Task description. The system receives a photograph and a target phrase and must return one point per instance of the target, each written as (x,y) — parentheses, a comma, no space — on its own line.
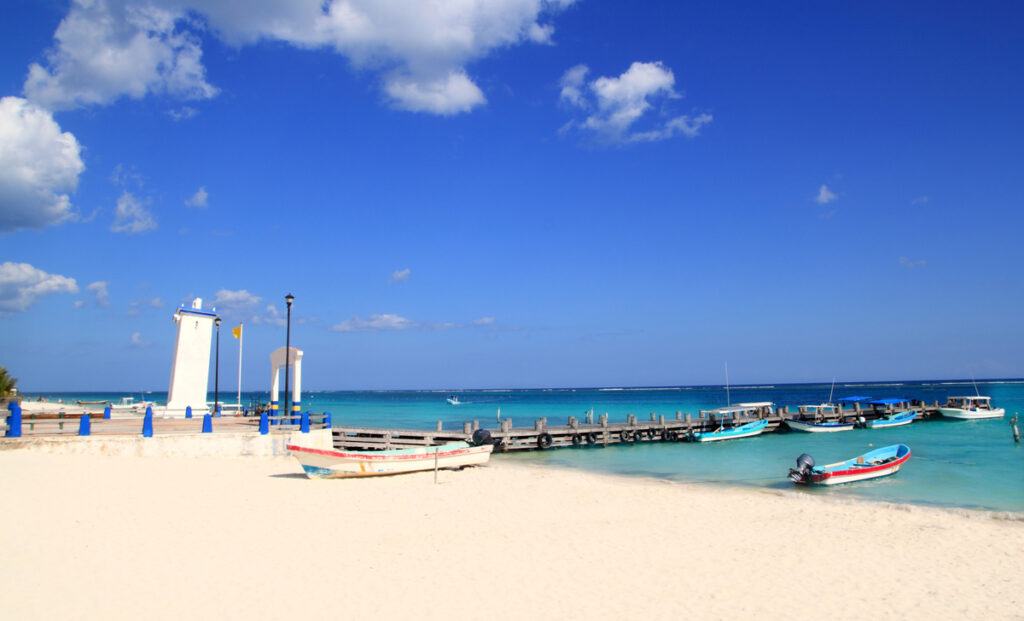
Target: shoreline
(236,537)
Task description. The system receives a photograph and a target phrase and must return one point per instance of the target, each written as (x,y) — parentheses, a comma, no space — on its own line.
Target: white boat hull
(330,464)
(710,437)
(972,414)
(797,425)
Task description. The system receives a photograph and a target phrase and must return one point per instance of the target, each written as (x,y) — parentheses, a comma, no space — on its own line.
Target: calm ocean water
(954,464)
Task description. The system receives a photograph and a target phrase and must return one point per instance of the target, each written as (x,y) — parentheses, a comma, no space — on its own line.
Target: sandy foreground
(93,537)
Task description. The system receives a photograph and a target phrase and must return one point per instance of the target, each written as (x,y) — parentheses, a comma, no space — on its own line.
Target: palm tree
(7,384)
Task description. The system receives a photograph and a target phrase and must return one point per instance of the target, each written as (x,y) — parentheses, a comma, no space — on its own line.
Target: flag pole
(241,335)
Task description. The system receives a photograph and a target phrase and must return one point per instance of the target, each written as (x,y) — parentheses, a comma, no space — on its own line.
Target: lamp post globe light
(287,354)
(216,371)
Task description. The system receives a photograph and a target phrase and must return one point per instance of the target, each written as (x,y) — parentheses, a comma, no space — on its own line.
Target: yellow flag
(237,332)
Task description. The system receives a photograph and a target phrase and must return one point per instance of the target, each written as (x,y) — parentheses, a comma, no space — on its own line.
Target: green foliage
(7,384)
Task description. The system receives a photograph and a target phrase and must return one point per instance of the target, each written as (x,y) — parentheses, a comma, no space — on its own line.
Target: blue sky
(514,193)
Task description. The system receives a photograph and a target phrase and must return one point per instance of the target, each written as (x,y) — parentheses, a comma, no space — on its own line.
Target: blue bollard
(188,411)
(207,423)
(147,423)
(304,425)
(218,411)
(264,424)
(14,420)
(84,425)
(106,412)
(327,420)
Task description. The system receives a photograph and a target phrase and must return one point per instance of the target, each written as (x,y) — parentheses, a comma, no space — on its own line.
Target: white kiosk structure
(295,363)
(190,371)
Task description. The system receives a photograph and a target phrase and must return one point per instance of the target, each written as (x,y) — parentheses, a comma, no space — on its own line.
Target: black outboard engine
(802,472)
(481,437)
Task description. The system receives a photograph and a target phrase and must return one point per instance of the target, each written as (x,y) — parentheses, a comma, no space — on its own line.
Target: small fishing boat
(331,464)
(80,402)
(970,408)
(894,420)
(872,465)
(818,422)
(731,432)
(453,400)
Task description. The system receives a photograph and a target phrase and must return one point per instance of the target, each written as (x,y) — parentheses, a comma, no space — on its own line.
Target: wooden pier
(600,431)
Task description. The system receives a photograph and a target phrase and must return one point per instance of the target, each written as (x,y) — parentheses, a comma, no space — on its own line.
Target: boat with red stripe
(330,464)
(871,465)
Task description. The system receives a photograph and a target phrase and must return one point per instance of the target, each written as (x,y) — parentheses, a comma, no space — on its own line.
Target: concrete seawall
(237,444)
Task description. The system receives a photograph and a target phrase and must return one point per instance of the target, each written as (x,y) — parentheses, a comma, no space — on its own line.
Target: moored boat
(894,420)
(970,408)
(453,400)
(727,429)
(818,422)
(330,464)
(871,465)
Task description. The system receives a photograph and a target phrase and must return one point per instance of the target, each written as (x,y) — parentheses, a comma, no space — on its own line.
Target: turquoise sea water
(954,463)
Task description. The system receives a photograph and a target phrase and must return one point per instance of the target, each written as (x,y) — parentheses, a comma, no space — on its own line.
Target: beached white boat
(330,464)
(970,408)
(128,404)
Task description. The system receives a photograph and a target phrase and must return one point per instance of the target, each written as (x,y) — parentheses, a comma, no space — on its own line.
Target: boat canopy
(892,401)
(756,404)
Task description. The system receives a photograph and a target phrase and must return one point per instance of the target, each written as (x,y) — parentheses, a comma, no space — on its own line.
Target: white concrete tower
(190,371)
(295,364)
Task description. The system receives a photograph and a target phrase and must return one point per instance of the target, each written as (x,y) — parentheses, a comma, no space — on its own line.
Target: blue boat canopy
(887,401)
(852,399)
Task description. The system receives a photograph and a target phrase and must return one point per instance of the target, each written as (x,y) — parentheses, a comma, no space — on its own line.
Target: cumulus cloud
(105,49)
(131,216)
(907,263)
(39,167)
(22,285)
(182,114)
(100,294)
(400,275)
(825,196)
(614,105)
(198,199)
(136,340)
(238,304)
(385,321)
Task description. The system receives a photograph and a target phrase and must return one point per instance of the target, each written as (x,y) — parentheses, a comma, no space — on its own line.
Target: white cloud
(919,200)
(156,302)
(616,104)
(198,199)
(136,340)
(381,322)
(238,304)
(907,263)
(182,114)
(272,317)
(400,275)
(39,166)
(99,290)
(131,216)
(107,49)
(825,196)
(374,323)
(22,285)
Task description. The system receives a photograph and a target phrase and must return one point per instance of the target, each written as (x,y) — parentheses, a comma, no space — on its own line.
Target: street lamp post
(287,354)
(216,371)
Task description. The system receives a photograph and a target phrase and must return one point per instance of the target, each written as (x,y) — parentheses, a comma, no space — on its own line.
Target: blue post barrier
(14,420)
(207,423)
(327,420)
(264,424)
(188,411)
(218,411)
(147,423)
(106,412)
(304,425)
(84,425)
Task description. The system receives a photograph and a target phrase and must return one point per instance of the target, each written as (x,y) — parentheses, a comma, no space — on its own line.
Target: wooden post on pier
(679,415)
(653,418)
(439,424)
(467,428)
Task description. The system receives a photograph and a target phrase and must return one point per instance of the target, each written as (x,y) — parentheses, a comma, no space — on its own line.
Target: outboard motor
(862,422)
(802,472)
(481,437)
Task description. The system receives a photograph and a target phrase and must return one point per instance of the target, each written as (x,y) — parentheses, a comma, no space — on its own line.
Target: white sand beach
(93,537)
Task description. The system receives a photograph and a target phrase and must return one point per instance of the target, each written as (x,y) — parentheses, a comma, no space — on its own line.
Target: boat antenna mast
(830,390)
(975,386)
(728,400)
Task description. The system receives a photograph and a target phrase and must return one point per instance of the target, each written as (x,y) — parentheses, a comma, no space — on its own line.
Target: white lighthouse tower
(190,370)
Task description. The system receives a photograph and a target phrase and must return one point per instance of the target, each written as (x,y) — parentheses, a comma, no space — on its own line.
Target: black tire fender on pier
(591,438)
(544,440)
(672,435)
(577,440)
(627,436)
